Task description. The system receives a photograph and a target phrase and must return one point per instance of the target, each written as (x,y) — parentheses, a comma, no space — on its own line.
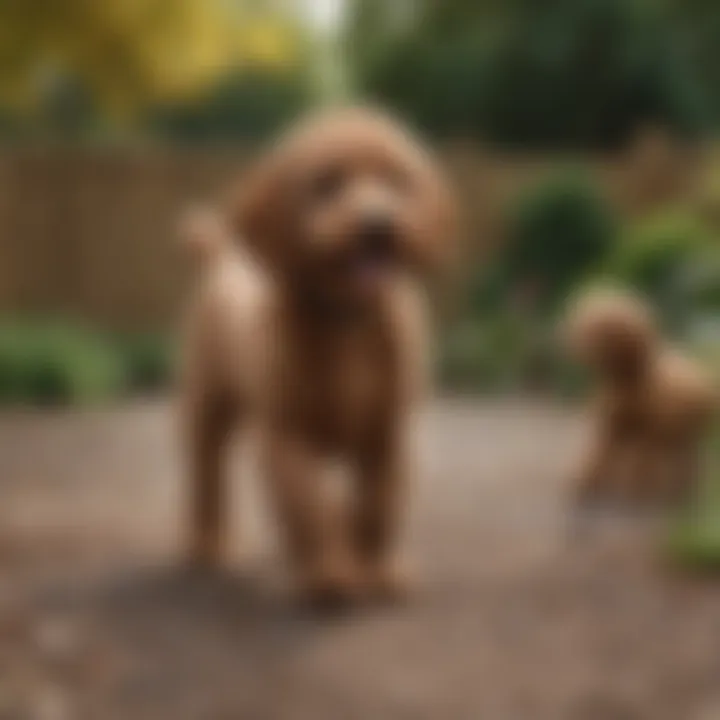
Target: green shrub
(672,259)
(51,362)
(147,362)
(482,356)
(651,251)
(560,231)
(694,540)
(696,543)
(55,363)
(699,282)
(506,353)
(465,363)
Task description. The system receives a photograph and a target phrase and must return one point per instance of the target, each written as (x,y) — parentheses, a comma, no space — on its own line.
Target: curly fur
(653,403)
(314,325)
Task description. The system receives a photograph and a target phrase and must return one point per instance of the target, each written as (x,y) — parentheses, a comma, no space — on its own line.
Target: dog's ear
(259,209)
(437,217)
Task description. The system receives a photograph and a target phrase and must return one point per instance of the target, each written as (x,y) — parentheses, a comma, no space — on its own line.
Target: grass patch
(694,540)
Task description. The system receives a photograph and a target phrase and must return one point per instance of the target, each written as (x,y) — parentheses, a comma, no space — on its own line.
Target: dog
(654,405)
(311,320)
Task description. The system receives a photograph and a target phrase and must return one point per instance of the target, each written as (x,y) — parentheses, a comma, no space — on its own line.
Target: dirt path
(514,619)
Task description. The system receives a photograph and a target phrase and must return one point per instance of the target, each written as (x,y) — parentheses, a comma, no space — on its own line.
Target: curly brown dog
(314,324)
(652,408)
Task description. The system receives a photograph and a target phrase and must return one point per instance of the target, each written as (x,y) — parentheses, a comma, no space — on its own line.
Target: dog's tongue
(369,273)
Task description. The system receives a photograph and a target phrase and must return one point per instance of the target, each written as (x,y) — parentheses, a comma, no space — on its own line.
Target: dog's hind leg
(642,482)
(210,423)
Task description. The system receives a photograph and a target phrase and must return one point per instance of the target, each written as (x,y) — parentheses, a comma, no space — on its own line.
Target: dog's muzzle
(377,240)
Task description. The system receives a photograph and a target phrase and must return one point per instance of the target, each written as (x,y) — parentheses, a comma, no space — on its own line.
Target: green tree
(697,24)
(246,106)
(558,74)
(126,54)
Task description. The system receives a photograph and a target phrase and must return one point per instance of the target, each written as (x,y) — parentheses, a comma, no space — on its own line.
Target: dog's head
(613,332)
(344,204)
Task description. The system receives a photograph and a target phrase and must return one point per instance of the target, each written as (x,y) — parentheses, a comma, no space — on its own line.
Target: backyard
(580,138)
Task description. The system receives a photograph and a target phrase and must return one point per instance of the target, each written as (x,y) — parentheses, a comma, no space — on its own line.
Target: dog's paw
(332,586)
(388,582)
(204,553)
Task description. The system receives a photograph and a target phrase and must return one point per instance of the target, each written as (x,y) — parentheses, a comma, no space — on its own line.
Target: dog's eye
(327,184)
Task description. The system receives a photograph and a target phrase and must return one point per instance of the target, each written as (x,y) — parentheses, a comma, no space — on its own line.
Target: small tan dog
(653,404)
(313,323)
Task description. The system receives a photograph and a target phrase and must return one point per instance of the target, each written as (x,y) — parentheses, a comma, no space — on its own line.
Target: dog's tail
(204,233)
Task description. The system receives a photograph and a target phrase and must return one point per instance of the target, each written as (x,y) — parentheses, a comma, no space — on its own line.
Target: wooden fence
(91,233)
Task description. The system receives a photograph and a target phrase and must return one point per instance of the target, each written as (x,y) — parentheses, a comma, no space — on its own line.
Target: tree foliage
(249,105)
(125,54)
(557,74)
(696,23)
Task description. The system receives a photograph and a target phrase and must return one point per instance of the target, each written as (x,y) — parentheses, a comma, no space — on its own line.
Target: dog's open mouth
(373,259)
(369,268)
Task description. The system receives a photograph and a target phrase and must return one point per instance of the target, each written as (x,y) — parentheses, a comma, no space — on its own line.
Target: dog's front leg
(313,526)
(381,499)
(595,472)
(645,483)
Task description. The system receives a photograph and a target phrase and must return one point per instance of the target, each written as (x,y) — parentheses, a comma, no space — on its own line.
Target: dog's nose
(377,232)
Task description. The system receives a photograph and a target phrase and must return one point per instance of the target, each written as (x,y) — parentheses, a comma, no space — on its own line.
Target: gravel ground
(517,615)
